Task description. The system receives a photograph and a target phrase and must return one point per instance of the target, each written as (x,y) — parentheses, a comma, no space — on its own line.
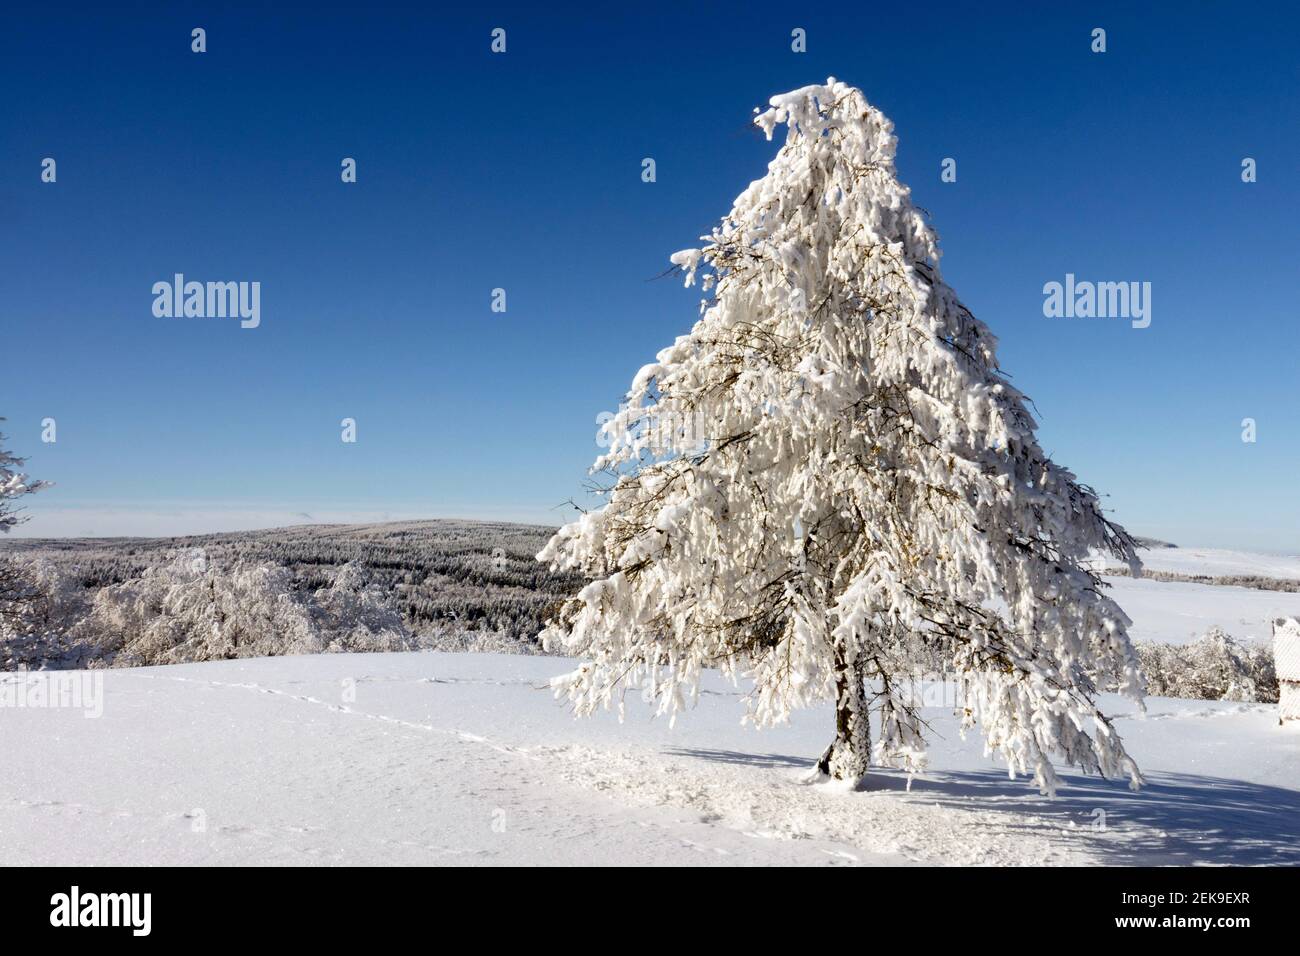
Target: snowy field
(1216,562)
(466,758)
(1177,613)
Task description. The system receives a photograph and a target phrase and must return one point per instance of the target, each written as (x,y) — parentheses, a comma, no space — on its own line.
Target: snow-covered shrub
(1213,667)
(354,616)
(188,611)
(457,640)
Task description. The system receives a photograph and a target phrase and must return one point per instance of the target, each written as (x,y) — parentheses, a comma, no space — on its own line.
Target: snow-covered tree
(34,627)
(188,610)
(16,589)
(354,616)
(13,485)
(194,609)
(868,496)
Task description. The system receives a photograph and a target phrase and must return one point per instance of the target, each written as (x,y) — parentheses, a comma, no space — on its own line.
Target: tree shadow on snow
(738,757)
(1175,819)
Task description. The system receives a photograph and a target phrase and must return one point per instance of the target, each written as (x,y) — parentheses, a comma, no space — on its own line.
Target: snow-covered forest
(399,586)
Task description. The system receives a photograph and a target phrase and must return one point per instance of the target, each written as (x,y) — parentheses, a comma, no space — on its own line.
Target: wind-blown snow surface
(446,758)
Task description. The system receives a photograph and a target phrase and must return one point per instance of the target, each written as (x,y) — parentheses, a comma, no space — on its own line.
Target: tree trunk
(848,756)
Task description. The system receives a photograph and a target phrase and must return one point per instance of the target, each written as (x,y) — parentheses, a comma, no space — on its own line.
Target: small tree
(35,628)
(828,484)
(16,589)
(353,615)
(13,485)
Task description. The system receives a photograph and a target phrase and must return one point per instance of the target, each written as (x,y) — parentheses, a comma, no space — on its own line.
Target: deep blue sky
(522,171)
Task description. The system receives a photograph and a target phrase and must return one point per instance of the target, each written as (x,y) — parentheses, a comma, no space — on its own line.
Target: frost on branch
(869,497)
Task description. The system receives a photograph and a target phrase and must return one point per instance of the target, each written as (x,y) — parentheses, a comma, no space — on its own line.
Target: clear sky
(522,171)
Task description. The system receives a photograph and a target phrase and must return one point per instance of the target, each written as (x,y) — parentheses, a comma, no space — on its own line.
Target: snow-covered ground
(467,758)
